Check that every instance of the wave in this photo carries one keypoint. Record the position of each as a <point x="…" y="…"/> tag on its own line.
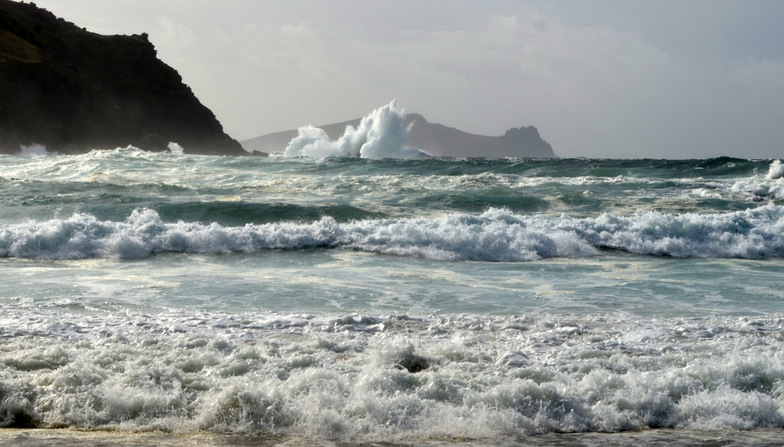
<point x="761" y="187"/>
<point x="175" y="149"/>
<point x="495" y="235"/>
<point x="368" y="378"/>
<point x="380" y="134"/>
<point x="776" y="170"/>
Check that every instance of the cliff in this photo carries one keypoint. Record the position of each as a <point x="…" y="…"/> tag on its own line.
<point x="436" y="139"/>
<point x="73" y="91"/>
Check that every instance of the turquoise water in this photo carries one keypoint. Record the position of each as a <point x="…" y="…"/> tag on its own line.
<point x="364" y="300"/>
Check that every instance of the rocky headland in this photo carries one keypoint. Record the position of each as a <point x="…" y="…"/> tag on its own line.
<point x="73" y="91"/>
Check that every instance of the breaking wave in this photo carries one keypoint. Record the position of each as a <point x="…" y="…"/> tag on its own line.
<point x="393" y="378"/>
<point x="769" y="186"/>
<point x="381" y="134"/>
<point x="495" y="235"/>
<point x="776" y="170"/>
<point x="175" y="149"/>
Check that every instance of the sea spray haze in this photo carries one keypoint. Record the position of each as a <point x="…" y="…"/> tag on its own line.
<point x="374" y="299"/>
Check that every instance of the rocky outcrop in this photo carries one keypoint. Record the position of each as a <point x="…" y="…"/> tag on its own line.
<point x="73" y="91"/>
<point x="435" y="139"/>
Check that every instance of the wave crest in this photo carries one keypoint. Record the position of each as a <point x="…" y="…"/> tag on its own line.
<point x="495" y="235"/>
<point x="776" y="170"/>
<point x="380" y="134"/>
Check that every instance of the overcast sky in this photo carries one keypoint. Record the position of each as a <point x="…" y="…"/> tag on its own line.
<point x="621" y="79"/>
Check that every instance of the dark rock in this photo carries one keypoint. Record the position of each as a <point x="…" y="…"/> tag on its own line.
<point x="259" y="154"/>
<point x="73" y="91"/>
<point x="436" y="139"/>
<point x="413" y="363"/>
<point x="19" y="418"/>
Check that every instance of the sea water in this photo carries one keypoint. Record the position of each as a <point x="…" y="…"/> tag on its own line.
<point x="244" y="301"/>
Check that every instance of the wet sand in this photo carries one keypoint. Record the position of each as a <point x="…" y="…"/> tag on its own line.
<point x="664" y="437"/>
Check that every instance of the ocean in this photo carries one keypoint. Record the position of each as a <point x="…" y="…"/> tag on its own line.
<point x="170" y="299"/>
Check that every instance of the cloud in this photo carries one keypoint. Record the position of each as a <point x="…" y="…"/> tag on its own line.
<point x="591" y="90"/>
<point x="174" y="34"/>
<point x="597" y="80"/>
<point x="527" y="69"/>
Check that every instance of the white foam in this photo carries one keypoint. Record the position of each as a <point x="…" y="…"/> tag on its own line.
<point x="380" y="134"/>
<point x="776" y="170"/>
<point x="495" y="235"/>
<point x="175" y="148"/>
<point x="759" y="187"/>
<point x="304" y="375"/>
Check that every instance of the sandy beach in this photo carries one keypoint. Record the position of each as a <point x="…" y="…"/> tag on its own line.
<point x="665" y="437"/>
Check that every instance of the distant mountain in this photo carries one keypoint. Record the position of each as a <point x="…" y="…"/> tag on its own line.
<point x="73" y="91"/>
<point x="436" y="139"/>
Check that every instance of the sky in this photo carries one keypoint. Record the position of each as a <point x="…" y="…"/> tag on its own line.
<point x="610" y="78"/>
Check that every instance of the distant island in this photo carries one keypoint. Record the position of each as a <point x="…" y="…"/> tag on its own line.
<point x="436" y="139"/>
<point x="73" y="91"/>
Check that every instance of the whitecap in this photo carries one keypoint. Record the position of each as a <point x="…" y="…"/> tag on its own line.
<point x="495" y="235"/>
<point x="776" y="170"/>
<point x="380" y="134"/>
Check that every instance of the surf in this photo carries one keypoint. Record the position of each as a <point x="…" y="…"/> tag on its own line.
<point x="380" y="134"/>
<point x="494" y="235"/>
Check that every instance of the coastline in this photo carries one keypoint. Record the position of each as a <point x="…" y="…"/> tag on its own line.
<point x="66" y="437"/>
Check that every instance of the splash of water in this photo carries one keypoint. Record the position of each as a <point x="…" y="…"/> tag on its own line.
<point x="776" y="170"/>
<point x="380" y="134"/>
<point x="175" y="148"/>
<point x="33" y="150"/>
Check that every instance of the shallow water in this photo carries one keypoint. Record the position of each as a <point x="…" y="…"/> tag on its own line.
<point x="155" y="298"/>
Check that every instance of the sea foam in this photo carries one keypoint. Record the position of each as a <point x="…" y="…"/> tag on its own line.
<point x="769" y="186"/>
<point x="495" y="235"/>
<point x="320" y="378"/>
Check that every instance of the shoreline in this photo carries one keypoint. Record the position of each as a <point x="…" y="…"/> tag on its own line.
<point x="66" y="437"/>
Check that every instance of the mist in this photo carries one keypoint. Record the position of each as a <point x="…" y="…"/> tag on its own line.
<point x="618" y="79"/>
